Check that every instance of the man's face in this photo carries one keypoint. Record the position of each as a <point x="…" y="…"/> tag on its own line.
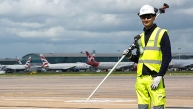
<point x="147" y="20"/>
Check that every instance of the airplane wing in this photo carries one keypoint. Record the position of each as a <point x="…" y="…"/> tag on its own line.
<point x="69" y="67"/>
<point x="185" y="65"/>
<point x="60" y="68"/>
<point x="14" y="68"/>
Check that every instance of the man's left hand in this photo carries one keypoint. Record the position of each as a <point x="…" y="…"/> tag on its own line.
<point x="156" y="82"/>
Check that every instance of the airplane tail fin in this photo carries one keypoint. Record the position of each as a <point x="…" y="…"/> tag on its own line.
<point x="91" y="60"/>
<point x="19" y="61"/>
<point x="90" y="57"/>
<point x="44" y="61"/>
<point x="27" y="64"/>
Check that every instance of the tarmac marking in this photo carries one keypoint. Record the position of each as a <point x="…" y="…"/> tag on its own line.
<point x="83" y="100"/>
<point x="31" y="99"/>
<point x="102" y="100"/>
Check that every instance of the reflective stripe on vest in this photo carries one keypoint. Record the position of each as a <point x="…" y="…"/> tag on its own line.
<point x="155" y="42"/>
<point x="152" y="56"/>
<point x="150" y="61"/>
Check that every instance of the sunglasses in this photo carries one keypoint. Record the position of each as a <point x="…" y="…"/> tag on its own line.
<point x="146" y="16"/>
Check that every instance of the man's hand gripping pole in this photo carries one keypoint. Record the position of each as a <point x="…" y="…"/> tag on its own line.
<point x="133" y="46"/>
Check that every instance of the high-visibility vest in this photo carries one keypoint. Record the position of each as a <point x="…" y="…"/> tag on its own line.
<point x="152" y="55"/>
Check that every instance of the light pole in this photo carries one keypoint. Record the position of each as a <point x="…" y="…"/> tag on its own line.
<point x="179" y="52"/>
<point x="118" y="54"/>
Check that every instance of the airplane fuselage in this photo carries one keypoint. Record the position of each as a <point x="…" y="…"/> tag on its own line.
<point x="110" y="65"/>
<point x="181" y="64"/>
<point x="66" y="66"/>
<point x="16" y="67"/>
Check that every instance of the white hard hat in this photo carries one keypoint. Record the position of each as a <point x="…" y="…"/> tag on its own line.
<point x="146" y="9"/>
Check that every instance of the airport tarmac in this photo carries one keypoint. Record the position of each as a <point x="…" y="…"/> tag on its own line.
<point x="71" y="92"/>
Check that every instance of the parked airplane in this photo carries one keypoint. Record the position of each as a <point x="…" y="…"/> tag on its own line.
<point x="80" y="66"/>
<point x="12" y="68"/>
<point x="182" y="64"/>
<point x="63" y="66"/>
<point x="108" y="65"/>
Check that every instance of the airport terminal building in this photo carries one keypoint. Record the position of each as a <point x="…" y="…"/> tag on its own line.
<point x="72" y="57"/>
<point x="78" y="57"/>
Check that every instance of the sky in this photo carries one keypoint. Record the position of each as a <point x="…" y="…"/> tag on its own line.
<point x="74" y="26"/>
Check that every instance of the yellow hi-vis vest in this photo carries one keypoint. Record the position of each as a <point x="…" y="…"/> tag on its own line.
<point x="152" y="55"/>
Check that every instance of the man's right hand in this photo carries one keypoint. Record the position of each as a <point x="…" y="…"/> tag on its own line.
<point x="127" y="53"/>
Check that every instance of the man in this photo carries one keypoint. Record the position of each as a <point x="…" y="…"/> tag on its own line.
<point x="153" y="61"/>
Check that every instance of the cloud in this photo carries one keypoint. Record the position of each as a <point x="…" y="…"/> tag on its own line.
<point x="72" y="26"/>
<point x="51" y="32"/>
<point x="181" y="38"/>
<point x="56" y="1"/>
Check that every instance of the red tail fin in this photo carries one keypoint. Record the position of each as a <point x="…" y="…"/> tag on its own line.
<point x="19" y="61"/>
<point x="28" y="62"/>
<point x="90" y="58"/>
<point x="44" y="61"/>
